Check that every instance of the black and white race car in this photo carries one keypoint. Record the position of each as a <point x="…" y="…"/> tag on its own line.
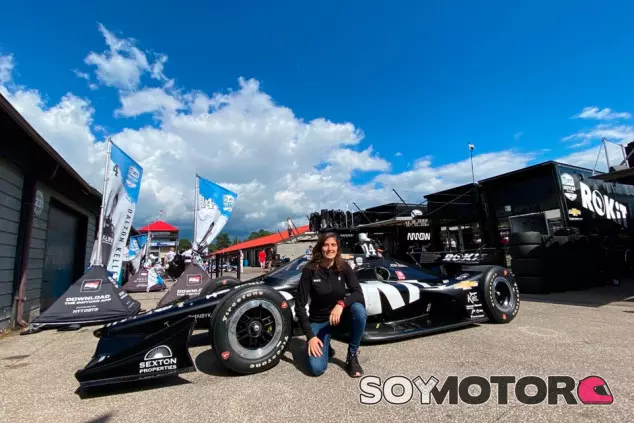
<point x="250" y="323"/>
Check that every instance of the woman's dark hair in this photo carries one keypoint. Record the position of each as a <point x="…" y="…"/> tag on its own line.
<point x="318" y="259"/>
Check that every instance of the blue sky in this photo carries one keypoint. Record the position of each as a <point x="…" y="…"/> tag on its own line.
<point x="419" y="78"/>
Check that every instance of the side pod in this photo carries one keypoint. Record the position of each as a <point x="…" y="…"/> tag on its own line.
<point x="127" y="358"/>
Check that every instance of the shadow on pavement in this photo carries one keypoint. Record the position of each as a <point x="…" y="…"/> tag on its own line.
<point x="101" y="419"/>
<point x="208" y="363"/>
<point x="622" y="295"/>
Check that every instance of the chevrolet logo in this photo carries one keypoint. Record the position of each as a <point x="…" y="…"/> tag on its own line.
<point x="574" y="212"/>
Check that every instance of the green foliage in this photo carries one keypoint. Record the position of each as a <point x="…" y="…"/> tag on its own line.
<point x="184" y="244"/>
<point x="258" y="234"/>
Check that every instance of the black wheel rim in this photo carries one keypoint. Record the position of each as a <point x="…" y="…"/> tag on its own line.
<point x="503" y="294"/>
<point x="256" y="328"/>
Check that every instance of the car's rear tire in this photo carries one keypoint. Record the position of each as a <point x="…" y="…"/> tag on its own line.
<point x="218" y="284"/>
<point x="251" y="329"/>
<point x="500" y="295"/>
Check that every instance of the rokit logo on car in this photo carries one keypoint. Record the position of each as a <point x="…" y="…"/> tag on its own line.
<point x="158" y="359"/>
<point x="463" y="257"/>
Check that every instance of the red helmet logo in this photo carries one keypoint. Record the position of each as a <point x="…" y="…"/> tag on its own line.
<point x="594" y="390"/>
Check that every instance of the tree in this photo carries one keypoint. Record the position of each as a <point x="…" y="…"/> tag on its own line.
<point x="184" y="244"/>
<point x="258" y="234"/>
<point x="236" y="241"/>
<point x="222" y="241"/>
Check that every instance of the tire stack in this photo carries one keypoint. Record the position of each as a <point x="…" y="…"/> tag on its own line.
<point x="543" y="264"/>
<point x="529" y="262"/>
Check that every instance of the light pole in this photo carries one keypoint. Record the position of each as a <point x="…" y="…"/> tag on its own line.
<point x="471" y="147"/>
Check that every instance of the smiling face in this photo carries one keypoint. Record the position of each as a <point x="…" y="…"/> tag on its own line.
<point x="329" y="250"/>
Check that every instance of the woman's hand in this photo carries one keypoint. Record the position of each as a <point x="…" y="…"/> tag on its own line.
<point x="335" y="315"/>
<point x="314" y="347"/>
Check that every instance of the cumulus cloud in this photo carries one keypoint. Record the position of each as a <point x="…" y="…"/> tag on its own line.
<point x="601" y="114"/>
<point x="6" y="68"/>
<point x="619" y="133"/>
<point x="280" y="164"/>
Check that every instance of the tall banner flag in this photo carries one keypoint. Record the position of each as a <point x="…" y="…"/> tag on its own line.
<point x="213" y="207"/>
<point x="122" y="185"/>
<point x="137" y="250"/>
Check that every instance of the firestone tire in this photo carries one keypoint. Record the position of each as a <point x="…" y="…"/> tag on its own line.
<point x="500" y="295"/>
<point x="218" y="284"/>
<point x="251" y="329"/>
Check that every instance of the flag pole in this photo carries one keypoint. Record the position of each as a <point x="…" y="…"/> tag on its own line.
<point x="194" y="243"/>
<point x="98" y="259"/>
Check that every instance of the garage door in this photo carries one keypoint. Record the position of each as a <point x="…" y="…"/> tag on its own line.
<point x="59" y="259"/>
<point x="11" y="182"/>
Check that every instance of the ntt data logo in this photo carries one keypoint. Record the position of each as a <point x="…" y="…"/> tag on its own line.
<point x="476" y="390"/>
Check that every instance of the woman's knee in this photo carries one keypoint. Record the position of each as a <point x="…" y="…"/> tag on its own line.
<point x="357" y="310"/>
<point x="317" y="366"/>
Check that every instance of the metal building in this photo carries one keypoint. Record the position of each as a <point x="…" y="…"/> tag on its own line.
<point x="48" y="216"/>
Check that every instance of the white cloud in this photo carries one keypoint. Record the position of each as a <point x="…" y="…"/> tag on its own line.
<point x="122" y="64"/>
<point x="147" y="101"/>
<point x="6" y="68"/>
<point x="601" y="114"/>
<point x="279" y="164"/>
<point x="613" y="133"/>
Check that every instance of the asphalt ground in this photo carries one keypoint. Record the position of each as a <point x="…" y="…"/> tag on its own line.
<point x="575" y="334"/>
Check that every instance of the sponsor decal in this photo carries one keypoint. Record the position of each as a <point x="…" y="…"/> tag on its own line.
<point x="463" y="257"/>
<point x="463" y="276"/>
<point x="574" y="214"/>
<point x="474" y="306"/>
<point x="415" y="223"/>
<point x="132" y="179"/>
<point x="397" y="265"/>
<point x="92" y="299"/>
<point x="158" y="359"/>
<point x="603" y="205"/>
<point x="477" y="390"/>
<point x="419" y="236"/>
<point x="465" y="285"/>
<point x="194" y="280"/>
<point x="190" y="292"/>
<point x="91" y="285"/>
<point x="568" y="186"/>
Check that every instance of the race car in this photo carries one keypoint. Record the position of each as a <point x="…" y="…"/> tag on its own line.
<point x="251" y="323"/>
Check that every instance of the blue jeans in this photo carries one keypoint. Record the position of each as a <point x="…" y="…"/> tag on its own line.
<point x="357" y="315"/>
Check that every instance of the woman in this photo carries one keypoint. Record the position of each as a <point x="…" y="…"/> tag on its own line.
<point x="323" y="285"/>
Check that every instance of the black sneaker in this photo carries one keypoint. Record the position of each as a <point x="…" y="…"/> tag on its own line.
<point x="331" y="352"/>
<point x="353" y="367"/>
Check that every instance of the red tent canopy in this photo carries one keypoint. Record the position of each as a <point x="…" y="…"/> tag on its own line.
<point x="159" y="226"/>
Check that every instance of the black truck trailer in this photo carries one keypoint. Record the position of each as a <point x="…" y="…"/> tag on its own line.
<point x="557" y="226"/>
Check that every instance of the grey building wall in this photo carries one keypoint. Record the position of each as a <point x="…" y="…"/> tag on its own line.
<point x="11" y="183"/>
<point x="38" y="246"/>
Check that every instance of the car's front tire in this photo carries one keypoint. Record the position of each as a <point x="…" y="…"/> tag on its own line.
<point x="501" y="297"/>
<point x="251" y="329"/>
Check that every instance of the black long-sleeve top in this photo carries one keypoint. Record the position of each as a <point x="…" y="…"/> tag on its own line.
<point x="324" y="287"/>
